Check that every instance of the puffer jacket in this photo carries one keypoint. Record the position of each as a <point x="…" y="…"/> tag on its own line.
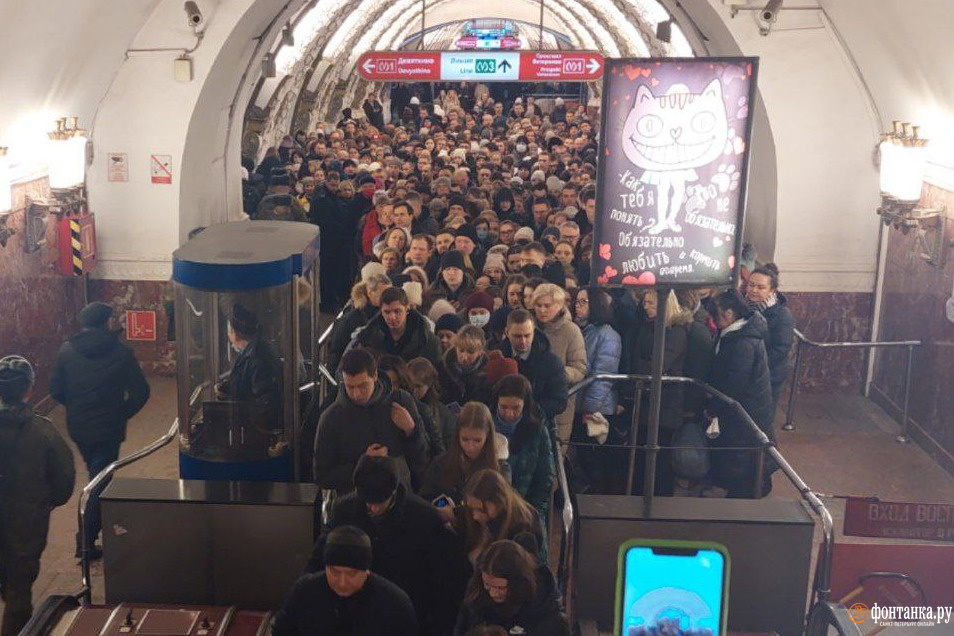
<point x="346" y="430"/>
<point x="603" y="350"/>
<point x="36" y="475"/>
<point x="566" y="341"/>
<point x="781" y="335"/>
<point x="674" y="357"/>
<point x="531" y="463"/>
<point x="99" y="381"/>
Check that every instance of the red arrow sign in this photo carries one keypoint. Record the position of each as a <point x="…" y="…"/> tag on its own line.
<point x="400" y="66"/>
<point x="425" y="66"/>
<point x="560" y="65"/>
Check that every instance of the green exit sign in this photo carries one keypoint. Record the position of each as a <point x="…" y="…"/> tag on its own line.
<point x="485" y="66"/>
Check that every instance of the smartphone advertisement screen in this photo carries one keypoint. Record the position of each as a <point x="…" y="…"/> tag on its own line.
<point x="678" y="589"/>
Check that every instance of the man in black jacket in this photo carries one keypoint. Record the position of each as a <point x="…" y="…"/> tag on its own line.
<point x="346" y="598"/>
<point x="99" y="381"/>
<point x="537" y="363"/>
<point x="367" y="418"/>
<point x="400" y="331"/>
<point x="412" y="548"/>
<point x="36" y="475"/>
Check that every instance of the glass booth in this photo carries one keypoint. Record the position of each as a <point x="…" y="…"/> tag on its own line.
<point x="243" y="297"/>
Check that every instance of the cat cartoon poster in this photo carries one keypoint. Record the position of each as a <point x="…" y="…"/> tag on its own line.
<point x="673" y="162"/>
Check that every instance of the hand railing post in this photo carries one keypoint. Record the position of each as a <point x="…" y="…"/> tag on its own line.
<point x="633" y="436"/>
<point x="903" y="437"/>
<point x="789" y="424"/>
<point x="655" y="400"/>
<point x="759" y="471"/>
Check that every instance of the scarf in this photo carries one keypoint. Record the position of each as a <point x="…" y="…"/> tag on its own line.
<point x="735" y="326"/>
<point x="770" y="301"/>
<point x="504" y="428"/>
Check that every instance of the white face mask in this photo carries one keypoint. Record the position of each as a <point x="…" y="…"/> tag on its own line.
<point x="479" y="320"/>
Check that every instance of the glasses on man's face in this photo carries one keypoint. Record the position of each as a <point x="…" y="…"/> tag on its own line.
<point x="580" y="302"/>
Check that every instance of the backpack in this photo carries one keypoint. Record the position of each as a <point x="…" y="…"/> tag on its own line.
<point x="692" y="460"/>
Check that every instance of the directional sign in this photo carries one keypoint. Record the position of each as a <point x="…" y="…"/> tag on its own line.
<point x="560" y="65"/>
<point x="400" y="66"/>
<point x="480" y="66"/>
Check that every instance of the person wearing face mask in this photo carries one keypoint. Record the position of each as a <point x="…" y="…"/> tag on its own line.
<point x="477" y="308"/>
<point x="464" y="379"/>
<point x="740" y="370"/>
<point x="412" y="548"/>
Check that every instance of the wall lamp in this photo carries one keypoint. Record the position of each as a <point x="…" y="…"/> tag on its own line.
<point x="903" y="162"/>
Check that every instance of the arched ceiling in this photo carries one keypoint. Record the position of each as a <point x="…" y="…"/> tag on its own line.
<point x="330" y="35"/>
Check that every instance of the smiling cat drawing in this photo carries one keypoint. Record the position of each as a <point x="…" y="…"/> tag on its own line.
<point x="671" y="135"/>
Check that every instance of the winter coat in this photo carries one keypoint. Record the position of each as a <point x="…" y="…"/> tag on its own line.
<point x="370" y="230"/>
<point x="460" y="387"/>
<point x="740" y="371"/>
<point x="411" y="548"/>
<point x="674" y="357"/>
<point x="546" y="373"/>
<point x="374" y="111"/>
<point x="344" y="332"/>
<point x="36" y="475"/>
<point x="531" y="463"/>
<point x="99" y="381"/>
<point x="459" y="294"/>
<point x="445" y="421"/>
<point x="312" y="608"/>
<point x="424" y="223"/>
<point x="698" y="361"/>
<point x="346" y="429"/>
<point x="540" y="616"/>
<point x="335" y="217"/>
<point x="433" y="432"/>
<point x="603" y="349"/>
<point x="256" y="376"/>
<point x="418" y="340"/>
<point x="280" y="207"/>
<point x="781" y="335"/>
<point x="566" y="341"/>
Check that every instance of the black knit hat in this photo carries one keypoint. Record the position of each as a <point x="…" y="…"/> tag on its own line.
<point x="452" y="258"/>
<point x="457" y="200"/>
<point x="469" y="231"/>
<point x="244" y="322"/>
<point x="448" y="322"/>
<point x="375" y="479"/>
<point x="280" y="180"/>
<point x="348" y="547"/>
<point x="16" y="378"/>
<point x="95" y="315"/>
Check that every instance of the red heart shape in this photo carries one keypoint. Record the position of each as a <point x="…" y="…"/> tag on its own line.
<point x="610" y="272"/>
<point x="647" y="278"/>
<point x="632" y="72"/>
<point x="602" y="280"/>
<point x="630" y="280"/>
<point x="605" y="251"/>
<point x="646" y="72"/>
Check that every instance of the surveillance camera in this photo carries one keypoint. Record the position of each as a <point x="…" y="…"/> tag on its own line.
<point x="769" y="13"/>
<point x="194" y="15"/>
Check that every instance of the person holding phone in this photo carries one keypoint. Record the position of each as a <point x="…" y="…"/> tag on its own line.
<point x="494" y="511"/>
<point x="511" y="590"/>
<point x="476" y="447"/>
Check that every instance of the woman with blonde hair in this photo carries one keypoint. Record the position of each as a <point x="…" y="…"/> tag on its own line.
<point x="494" y="511"/>
<point x="566" y="341"/>
<point x="475" y="447"/>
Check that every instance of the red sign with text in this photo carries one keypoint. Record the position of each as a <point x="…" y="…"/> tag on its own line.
<point x="899" y="520"/>
<point x="560" y="66"/>
<point x="400" y="66"/>
<point x="141" y="326"/>
<point x="479" y="66"/>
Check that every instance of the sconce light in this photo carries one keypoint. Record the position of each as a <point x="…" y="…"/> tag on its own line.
<point x="288" y="37"/>
<point x="903" y="161"/>
<point x="67" y="155"/>
<point x="6" y="196"/>
<point x="269" y="68"/>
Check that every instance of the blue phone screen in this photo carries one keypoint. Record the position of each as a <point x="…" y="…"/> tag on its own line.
<point x="671" y="588"/>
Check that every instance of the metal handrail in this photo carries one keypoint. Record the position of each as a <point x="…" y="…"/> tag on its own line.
<point x="822" y="583"/>
<point x="95" y="482"/>
<point x="800" y="340"/>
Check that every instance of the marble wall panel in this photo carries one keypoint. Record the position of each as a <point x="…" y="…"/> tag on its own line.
<point x="915" y="294"/>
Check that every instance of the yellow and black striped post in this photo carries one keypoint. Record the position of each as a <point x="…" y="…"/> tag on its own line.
<point x="77" y="247"/>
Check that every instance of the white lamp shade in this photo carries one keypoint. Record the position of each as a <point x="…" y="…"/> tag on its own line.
<point x="6" y="196"/>
<point x="67" y="162"/>
<point x="902" y="169"/>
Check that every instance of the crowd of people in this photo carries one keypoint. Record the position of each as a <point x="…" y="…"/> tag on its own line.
<point x="457" y="239"/>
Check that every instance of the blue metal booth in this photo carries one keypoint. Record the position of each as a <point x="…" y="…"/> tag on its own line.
<point x="243" y="297"/>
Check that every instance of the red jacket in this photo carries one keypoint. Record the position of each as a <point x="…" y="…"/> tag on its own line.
<point x="371" y="229"/>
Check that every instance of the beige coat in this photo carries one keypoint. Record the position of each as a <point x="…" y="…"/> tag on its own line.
<point x="566" y="342"/>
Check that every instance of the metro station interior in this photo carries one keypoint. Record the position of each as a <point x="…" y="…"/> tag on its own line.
<point x="141" y="145"/>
